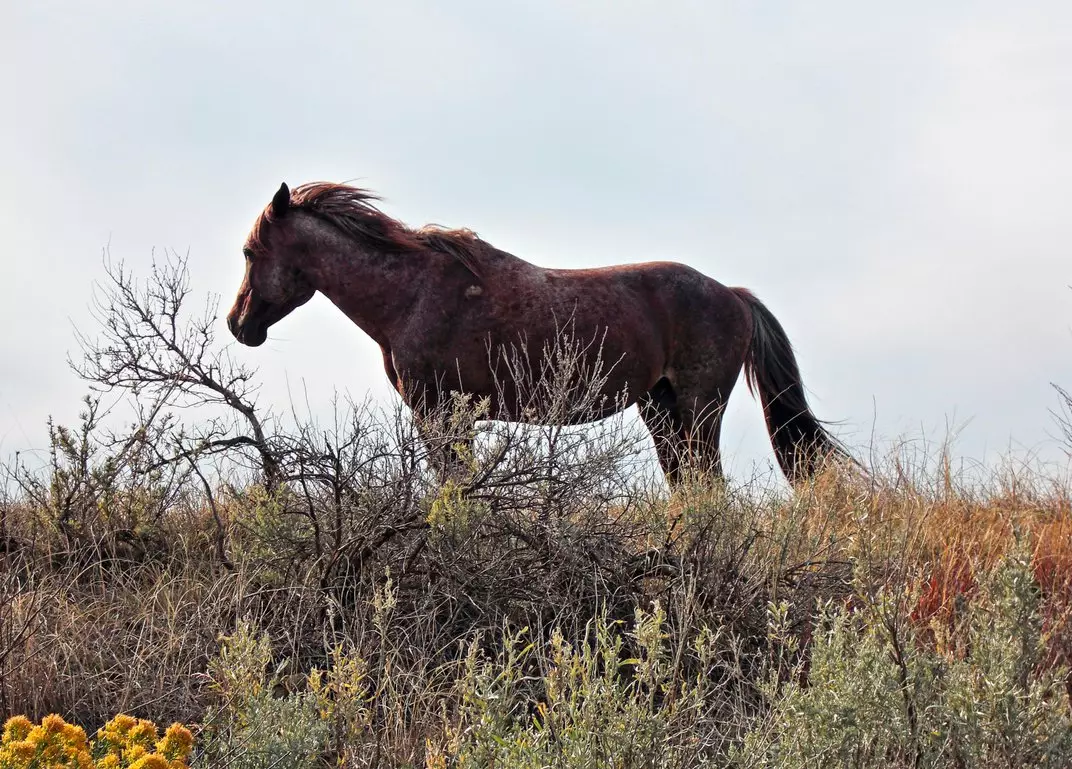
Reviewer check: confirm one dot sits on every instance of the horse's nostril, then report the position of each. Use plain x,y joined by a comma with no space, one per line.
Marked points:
232,323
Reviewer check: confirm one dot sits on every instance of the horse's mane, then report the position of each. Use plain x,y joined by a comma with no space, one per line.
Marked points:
353,210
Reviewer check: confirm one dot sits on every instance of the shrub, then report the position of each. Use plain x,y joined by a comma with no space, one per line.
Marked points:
879,693
589,704
251,727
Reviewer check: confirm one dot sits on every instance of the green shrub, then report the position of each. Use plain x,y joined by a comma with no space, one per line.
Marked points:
251,728
879,694
591,706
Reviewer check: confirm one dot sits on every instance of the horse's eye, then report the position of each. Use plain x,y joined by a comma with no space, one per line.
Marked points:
248,254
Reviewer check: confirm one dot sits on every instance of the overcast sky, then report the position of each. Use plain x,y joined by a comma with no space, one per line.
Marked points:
895,184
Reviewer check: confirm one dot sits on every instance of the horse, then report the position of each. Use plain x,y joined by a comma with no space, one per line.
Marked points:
437,300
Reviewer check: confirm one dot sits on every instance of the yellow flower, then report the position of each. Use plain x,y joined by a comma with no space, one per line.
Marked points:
134,752
124,742
121,723
52,755
17,728
177,742
22,750
143,732
75,735
53,723
151,761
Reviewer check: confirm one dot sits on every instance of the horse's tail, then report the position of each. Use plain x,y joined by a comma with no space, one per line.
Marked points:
801,442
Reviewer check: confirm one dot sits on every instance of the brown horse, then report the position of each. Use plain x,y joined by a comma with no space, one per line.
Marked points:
438,300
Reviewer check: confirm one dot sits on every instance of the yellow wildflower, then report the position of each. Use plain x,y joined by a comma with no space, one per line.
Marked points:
53,723
75,735
22,750
53,754
123,742
134,752
121,724
177,742
151,761
143,732
17,728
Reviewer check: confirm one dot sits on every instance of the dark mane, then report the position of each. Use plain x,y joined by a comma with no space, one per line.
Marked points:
353,210
462,244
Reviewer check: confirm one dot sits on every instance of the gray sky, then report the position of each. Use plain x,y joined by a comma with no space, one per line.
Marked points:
894,183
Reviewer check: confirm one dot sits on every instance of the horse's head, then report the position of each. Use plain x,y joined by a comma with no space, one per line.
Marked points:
274,284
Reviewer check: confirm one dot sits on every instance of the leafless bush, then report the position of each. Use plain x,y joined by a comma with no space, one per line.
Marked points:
167,359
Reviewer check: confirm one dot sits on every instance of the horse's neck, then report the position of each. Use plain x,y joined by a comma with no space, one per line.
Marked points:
373,290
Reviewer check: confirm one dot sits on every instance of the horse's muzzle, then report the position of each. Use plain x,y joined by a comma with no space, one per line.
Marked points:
247,333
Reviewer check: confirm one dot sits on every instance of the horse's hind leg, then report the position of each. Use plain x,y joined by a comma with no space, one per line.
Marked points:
705,434
686,427
661,415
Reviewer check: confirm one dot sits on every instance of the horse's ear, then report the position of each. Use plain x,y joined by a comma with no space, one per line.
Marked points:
281,201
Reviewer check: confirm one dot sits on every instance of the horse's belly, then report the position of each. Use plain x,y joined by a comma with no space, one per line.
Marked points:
533,383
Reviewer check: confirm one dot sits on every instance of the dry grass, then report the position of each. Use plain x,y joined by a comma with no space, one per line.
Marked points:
132,628
443,615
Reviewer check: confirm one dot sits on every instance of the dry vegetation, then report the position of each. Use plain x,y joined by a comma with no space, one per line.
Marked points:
310,595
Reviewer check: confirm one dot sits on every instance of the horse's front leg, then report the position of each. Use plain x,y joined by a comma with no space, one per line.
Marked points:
447,436
445,421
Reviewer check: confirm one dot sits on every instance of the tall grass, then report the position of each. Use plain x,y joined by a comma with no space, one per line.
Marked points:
857,622
310,595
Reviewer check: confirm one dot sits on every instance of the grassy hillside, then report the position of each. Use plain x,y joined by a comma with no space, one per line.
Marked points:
301,595
523,622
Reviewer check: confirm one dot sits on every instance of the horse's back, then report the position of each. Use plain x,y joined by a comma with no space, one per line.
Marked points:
693,316
657,297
